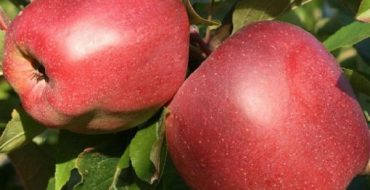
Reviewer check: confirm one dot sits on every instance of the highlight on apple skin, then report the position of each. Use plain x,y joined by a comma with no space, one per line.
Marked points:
269,109
95,66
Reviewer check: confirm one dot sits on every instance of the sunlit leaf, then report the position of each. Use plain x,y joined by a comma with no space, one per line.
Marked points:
51,184
348,35
63,173
140,149
11,10
19,131
363,13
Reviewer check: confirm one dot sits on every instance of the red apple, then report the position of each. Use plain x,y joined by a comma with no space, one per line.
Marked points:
94,66
269,109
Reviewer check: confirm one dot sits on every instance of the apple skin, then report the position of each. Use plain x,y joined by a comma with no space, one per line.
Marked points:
269,109
110,65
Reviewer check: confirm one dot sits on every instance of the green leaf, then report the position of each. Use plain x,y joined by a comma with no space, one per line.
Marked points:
63,173
102,170
97,170
34,165
123,163
10,9
348,36
358,82
51,184
217,9
69,146
169,178
19,131
140,149
158,154
249,11
7,101
363,13
4,90
194,16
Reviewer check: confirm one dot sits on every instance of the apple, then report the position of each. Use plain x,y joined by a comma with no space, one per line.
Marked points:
269,109
94,66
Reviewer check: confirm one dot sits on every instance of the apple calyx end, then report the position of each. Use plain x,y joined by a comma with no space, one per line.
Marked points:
40,71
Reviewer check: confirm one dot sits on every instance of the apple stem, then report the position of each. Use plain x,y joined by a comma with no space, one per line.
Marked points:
4,20
195,39
210,13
